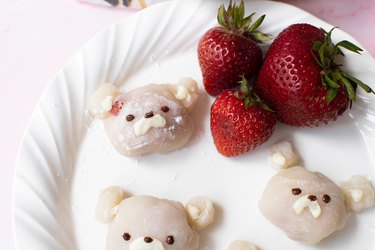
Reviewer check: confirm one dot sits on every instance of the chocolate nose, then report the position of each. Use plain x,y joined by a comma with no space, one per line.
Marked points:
148,239
312,197
149,114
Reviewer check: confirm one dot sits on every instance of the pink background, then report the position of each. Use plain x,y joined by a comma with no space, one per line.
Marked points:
37,38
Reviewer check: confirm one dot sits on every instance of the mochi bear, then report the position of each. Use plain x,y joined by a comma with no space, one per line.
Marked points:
152,118
307,205
149,223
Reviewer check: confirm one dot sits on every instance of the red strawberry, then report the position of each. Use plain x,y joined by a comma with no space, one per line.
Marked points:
240,121
226,52
117,106
301,81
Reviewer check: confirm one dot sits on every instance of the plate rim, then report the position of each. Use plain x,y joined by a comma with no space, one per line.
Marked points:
52,82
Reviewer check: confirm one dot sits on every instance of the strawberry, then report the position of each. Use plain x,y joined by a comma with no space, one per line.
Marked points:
116,107
240,121
300,79
227,51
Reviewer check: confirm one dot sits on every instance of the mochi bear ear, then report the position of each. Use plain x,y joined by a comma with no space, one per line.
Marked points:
101,101
282,155
186,91
200,212
107,205
359,193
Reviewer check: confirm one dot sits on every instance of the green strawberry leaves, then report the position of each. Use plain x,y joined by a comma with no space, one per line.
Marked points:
233,19
332,75
249,96
365,87
349,46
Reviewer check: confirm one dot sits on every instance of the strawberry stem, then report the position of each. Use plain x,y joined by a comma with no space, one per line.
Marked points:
233,19
248,96
332,75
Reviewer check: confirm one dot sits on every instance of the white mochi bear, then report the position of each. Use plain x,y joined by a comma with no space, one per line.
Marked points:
149,223
153,118
308,206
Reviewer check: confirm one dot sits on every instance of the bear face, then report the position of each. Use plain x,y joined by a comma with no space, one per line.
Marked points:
153,118
306,205
146,222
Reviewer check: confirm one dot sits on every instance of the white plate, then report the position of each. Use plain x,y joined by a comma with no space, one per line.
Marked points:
66,159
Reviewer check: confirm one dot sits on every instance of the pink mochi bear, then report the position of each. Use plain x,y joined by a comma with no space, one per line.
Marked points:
152,118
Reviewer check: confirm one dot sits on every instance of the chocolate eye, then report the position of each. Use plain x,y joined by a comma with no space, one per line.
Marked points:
130,117
126,236
326,198
165,109
296,191
169,240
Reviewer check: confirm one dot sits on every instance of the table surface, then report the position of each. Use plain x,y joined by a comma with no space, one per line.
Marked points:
37,37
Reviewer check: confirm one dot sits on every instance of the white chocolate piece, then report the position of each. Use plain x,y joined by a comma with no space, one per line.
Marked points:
107,206
304,202
186,91
100,102
200,212
182,93
282,155
107,103
279,159
241,245
359,193
143,125
140,244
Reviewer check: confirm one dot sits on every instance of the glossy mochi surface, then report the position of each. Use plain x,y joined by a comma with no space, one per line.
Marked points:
151,120
146,222
306,205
